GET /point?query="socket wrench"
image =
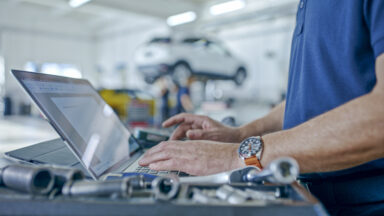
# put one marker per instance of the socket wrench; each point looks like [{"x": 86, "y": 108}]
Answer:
[
  {"x": 280, "y": 171},
  {"x": 28, "y": 179}
]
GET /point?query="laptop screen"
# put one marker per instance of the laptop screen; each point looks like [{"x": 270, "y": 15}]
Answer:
[{"x": 82, "y": 118}]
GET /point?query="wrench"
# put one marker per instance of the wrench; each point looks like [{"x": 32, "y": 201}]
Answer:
[{"x": 283, "y": 170}]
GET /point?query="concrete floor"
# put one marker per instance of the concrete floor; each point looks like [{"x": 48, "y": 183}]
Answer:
[{"x": 17, "y": 132}]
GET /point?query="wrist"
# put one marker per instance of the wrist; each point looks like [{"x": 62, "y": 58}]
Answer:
[
  {"x": 241, "y": 133},
  {"x": 273, "y": 149},
  {"x": 252, "y": 129},
  {"x": 237, "y": 161}
]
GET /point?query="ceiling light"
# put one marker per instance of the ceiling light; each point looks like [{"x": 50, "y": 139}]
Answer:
[
  {"x": 182, "y": 18},
  {"x": 77, "y": 3},
  {"x": 227, "y": 7}
]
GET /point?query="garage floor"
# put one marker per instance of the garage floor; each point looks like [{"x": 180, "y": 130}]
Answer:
[{"x": 17, "y": 132}]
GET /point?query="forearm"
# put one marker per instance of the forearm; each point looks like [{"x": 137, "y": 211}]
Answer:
[
  {"x": 347, "y": 136},
  {"x": 272, "y": 122}
]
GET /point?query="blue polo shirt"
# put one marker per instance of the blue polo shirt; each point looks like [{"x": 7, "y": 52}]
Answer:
[{"x": 333, "y": 54}]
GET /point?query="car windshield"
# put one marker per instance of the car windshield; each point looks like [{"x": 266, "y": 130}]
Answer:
[
  {"x": 219, "y": 48},
  {"x": 165, "y": 40},
  {"x": 195, "y": 41}
]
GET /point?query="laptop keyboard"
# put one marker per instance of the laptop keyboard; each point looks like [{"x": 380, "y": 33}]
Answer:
[{"x": 141, "y": 169}]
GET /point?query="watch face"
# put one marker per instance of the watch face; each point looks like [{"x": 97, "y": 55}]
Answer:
[{"x": 250, "y": 147}]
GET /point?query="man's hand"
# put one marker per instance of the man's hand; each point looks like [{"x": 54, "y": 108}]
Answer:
[
  {"x": 193, "y": 157},
  {"x": 197, "y": 127}
]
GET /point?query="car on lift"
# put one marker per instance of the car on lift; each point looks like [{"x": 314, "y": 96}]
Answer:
[{"x": 188, "y": 56}]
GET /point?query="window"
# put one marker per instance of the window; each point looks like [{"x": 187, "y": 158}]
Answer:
[
  {"x": 165, "y": 40},
  {"x": 31, "y": 66},
  {"x": 67, "y": 70},
  {"x": 196, "y": 41},
  {"x": 217, "y": 49}
]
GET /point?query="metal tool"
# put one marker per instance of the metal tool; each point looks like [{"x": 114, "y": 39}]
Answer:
[
  {"x": 220, "y": 178},
  {"x": 29, "y": 179},
  {"x": 224, "y": 192},
  {"x": 63, "y": 175},
  {"x": 110, "y": 188},
  {"x": 165, "y": 187},
  {"x": 232, "y": 195},
  {"x": 137, "y": 182},
  {"x": 238, "y": 197},
  {"x": 281, "y": 171},
  {"x": 202, "y": 196},
  {"x": 260, "y": 195}
]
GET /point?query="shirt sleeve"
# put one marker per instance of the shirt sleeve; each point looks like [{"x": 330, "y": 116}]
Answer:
[{"x": 374, "y": 17}]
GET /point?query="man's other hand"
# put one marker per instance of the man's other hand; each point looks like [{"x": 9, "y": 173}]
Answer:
[
  {"x": 193, "y": 157},
  {"x": 196, "y": 127}
]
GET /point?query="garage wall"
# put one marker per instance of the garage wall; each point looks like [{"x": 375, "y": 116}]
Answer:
[
  {"x": 20, "y": 48},
  {"x": 115, "y": 50},
  {"x": 265, "y": 47},
  {"x": 33, "y": 35}
]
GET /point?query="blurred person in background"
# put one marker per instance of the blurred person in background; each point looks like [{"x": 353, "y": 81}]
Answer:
[{"x": 183, "y": 97}]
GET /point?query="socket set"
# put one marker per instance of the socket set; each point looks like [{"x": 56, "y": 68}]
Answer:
[{"x": 43, "y": 190}]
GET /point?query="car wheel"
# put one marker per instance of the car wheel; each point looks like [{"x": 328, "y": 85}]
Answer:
[
  {"x": 240, "y": 77},
  {"x": 181, "y": 73}
]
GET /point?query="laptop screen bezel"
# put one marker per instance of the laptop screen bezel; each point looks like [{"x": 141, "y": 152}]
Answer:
[{"x": 21, "y": 75}]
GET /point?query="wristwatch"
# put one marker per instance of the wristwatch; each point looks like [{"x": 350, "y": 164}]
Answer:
[{"x": 250, "y": 151}]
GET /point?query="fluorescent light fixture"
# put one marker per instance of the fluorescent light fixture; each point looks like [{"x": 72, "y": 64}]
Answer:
[
  {"x": 227, "y": 7},
  {"x": 77, "y": 3},
  {"x": 182, "y": 18}
]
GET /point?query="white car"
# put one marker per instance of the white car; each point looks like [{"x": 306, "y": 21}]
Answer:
[{"x": 188, "y": 56}]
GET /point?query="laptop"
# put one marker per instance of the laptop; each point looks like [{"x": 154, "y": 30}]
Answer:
[{"x": 92, "y": 137}]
